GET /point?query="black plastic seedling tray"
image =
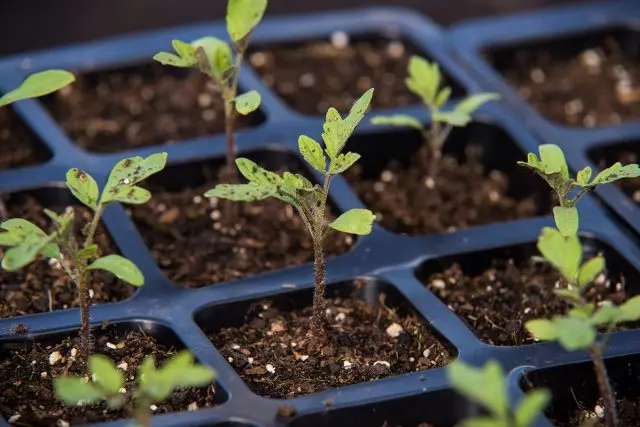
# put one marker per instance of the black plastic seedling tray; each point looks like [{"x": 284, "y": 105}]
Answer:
[{"x": 386, "y": 261}]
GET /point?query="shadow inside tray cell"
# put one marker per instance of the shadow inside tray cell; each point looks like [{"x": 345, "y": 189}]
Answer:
[
  {"x": 477, "y": 182},
  {"x": 313, "y": 75},
  {"x": 135, "y": 106},
  {"x": 443, "y": 408},
  {"x": 625, "y": 153},
  {"x": 29, "y": 364},
  {"x": 373, "y": 332},
  {"x": 575, "y": 391},
  {"x": 19, "y": 146},
  {"x": 586, "y": 79},
  {"x": 40, "y": 286},
  {"x": 495, "y": 292},
  {"x": 194, "y": 242}
]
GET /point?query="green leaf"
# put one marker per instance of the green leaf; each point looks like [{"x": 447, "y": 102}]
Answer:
[
  {"x": 630, "y": 310},
  {"x": 424, "y": 79},
  {"x": 485, "y": 386},
  {"x": 343, "y": 162},
  {"x": 256, "y": 174},
  {"x": 185, "y": 58},
  {"x": 83, "y": 187},
  {"x": 18, "y": 256},
  {"x": 312, "y": 153},
  {"x": 590, "y": 270},
  {"x": 74, "y": 390},
  {"x": 566, "y": 220},
  {"x": 582, "y": 311},
  {"x": 26, "y": 240},
  {"x": 241, "y": 192},
  {"x": 88, "y": 252},
  {"x": 484, "y": 422},
  {"x": 571, "y": 295},
  {"x": 248, "y": 102},
  {"x": 564, "y": 253},
  {"x": 105, "y": 373},
  {"x": 126, "y": 174},
  {"x": 443, "y": 97},
  {"x": 401, "y": 120},
  {"x": 471, "y": 103},
  {"x": 584, "y": 175},
  {"x": 166, "y": 58},
  {"x": 354, "y": 221},
  {"x": 356, "y": 114},
  {"x": 120, "y": 267},
  {"x": 531, "y": 407},
  {"x": 606, "y": 314},
  {"x": 332, "y": 132},
  {"x": 184, "y": 50},
  {"x": 454, "y": 118},
  {"x": 218, "y": 57},
  {"x": 552, "y": 160},
  {"x": 616, "y": 172},
  {"x": 179, "y": 371},
  {"x": 532, "y": 163},
  {"x": 38, "y": 84},
  {"x": 542, "y": 329},
  {"x": 574, "y": 334},
  {"x": 243, "y": 16}
]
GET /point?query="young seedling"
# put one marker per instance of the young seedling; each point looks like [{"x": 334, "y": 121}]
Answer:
[
  {"x": 36, "y": 85},
  {"x": 78, "y": 259},
  {"x": 552, "y": 167},
  {"x": 488, "y": 387},
  {"x": 214, "y": 58},
  {"x": 425, "y": 80},
  {"x": 577, "y": 330},
  {"x": 154, "y": 384},
  {"x": 310, "y": 200}
]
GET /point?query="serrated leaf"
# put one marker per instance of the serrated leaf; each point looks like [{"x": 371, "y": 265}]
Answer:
[
  {"x": 616, "y": 172},
  {"x": 424, "y": 79},
  {"x": 564, "y": 253},
  {"x": 166, "y": 58},
  {"x": 38, "y": 84},
  {"x": 552, "y": 160},
  {"x": 532, "y": 163},
  {"x": 398, "y": 120},
  {"x": 566, "y": 220},
  {"x": 248, "y": 102},
  {"x": 584, "y": 175},
  {"x": 18, "y": 256},
  {"x": 184, "y": 50},
  {"x": 354, "y": 221},
  {"x": 343, "y": 162},
  {"x": 312, "y": 153},
  {"x": 356, "y": 114},
  {"x": 27, "y": 240},
  {"x": 257, "y": 174},
  {"x": 83, "y": 187},
  {"x": 74, "y": 390},
  {"x": 453, "y": 118},
  {"x": 485, "y": 385},
  {"x": 531, "y": 407},
  {"x": 181, "y": 371},
  {"x": 241, "y": 192},
  {"x": 590, "y": 270},
  {"x": 630, "y": 310},
  {"x": 470, "y": 104},
  {"x": 542, "y": 329},
  {"x": 443, "y": 97},
  {"x": 218, "y": 55},
  {"x": 120, "y": 267},
  {"x": 105, "y": 373},
  {"x": 127, "y": 173},
  {"x": 243, "y": 16}
]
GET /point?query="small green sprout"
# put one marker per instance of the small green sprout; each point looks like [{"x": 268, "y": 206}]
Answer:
[
  {"x": 26, "y": 240},
  {"x": 37, "y": 84},
  {"x": 552, "y": 167},
  {"x": 310, "y": 200},
  {"x": 488, "y": 387},
  {"x": 425, "y": 81},
  {"x": 154, "y": 385},
  {"x": 214, "y": 58}
]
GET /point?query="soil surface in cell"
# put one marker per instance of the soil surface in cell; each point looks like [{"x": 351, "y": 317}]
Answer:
[
  {"x": 497, "y": 302},
  {"x": 116, "y": 110},
  {"x": 195, "y": 245},
  {"x": 26, "y": 380},
  {"x": 312, "y": 77},
  {"x": 407, "y": 201},
  {"x": 18, "y": 146},
  {"x": 277, "y": 357},
  {"x": 41, "y": 286},
  {"x": 598, "y": 86}
]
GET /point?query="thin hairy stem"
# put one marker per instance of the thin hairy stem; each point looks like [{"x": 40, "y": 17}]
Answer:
[
  {"x": 437, "y": 135},
  {"x": 88, "y": 241},
  {"x": 4, "y": 213},
  {"x": 142, "y": 411},
  {"x": 85, "y": 328},
  {"x": 319, "y": 302},
  {"x": 604, "y": 386}
]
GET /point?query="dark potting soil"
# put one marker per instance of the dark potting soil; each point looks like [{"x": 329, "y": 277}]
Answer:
[
  {"x": 628, "y": 413},
  {"x": 26, "y": 380},
  {"x": 277, "y": 358},
  {"x": 18, "y": 146},
  {"x": 41, "y": 287},
  {"x": 115, "y": 110},
  {"x": 313, "y": 76},
  {"x": 498, "y": 302},
  {"x": 194, "y": 246},
  {"x": 598, "y": 86},
  {"x": 461, "y": 195}
]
